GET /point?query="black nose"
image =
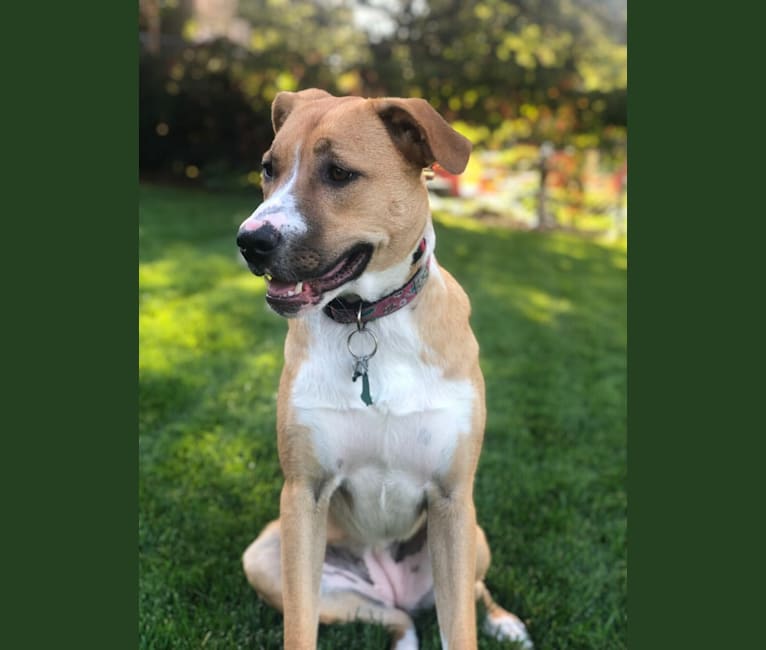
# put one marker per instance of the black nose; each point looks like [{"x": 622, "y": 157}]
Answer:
[{"x": 258, "y": 245}]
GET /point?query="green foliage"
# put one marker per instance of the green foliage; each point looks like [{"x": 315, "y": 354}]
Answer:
[
  {"x": 549, "y": 311},
  {"x": 526, "y": 70},
  {"x": 480, "y": 60}
]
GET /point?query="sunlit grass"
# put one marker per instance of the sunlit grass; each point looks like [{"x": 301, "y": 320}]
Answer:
[
  {"x": 549, "y": 312},
  {"x": 541, "y": 307}
]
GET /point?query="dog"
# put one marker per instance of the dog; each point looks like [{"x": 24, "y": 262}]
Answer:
[{"x": 380, "y": 411}]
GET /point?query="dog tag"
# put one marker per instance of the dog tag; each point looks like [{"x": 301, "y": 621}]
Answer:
[
  {"x": 360, "y": 370},
  {"x": 362, "y": 358}
]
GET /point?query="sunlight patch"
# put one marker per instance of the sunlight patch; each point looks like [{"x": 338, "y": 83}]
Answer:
[
  {"x": 205, "y": 449},
  {"x": 542, "y": 307},
  {"x": 156, "y": 275},
  {"x": 171, "y": 331},
  {"x": 465, "y": 222}
]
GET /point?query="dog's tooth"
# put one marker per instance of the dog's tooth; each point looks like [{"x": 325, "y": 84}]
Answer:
[{"x": 299, "y": 287}]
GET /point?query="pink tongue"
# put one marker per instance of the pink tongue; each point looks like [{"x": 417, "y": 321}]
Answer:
[
  {"x": 284, "y": 288},
  {"x": 277, "y": 288}
]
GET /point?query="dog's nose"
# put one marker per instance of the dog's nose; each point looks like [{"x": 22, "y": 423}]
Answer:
[{"x": 259, "y": 244}]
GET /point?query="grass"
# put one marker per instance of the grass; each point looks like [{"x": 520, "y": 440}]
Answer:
[{"x": 550, "y": 313}]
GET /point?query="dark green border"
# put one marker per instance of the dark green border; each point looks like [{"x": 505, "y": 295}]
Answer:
[
  {"x": 69, "y": 270},
  {"x": 695, "y": 279}
]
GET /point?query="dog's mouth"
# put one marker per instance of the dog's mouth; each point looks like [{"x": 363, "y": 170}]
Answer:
[{"x": 288, "y": 298}]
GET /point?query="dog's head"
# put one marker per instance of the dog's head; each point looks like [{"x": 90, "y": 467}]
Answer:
[{"x": 345, "y": 204}]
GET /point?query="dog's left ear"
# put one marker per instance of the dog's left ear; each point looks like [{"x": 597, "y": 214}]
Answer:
[{"x": 422, "y": 135}]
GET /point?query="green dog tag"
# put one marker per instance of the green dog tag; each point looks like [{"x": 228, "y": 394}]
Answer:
[{"x": 366, "y": 390}]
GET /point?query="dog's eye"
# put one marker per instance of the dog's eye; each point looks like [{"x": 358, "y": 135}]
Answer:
[
  {"x": 339, "y": 175},
  {"x": 268, "y": 169}
]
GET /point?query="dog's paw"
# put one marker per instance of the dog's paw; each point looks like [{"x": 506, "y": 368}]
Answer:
[
  {"x": 409, "y": 641},
  {"x": 507, "y": 627}
]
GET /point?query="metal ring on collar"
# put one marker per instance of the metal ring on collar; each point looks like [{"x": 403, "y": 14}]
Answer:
[{"x": 374, "y": 342}]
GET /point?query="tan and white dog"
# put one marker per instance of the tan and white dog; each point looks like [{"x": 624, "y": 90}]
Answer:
[{"x": 381, "y": 413}]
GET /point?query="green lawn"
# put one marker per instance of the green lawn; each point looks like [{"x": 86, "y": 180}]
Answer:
[{"x": 549, "y": 311}]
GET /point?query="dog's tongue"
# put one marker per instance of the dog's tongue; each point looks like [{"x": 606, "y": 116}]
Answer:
[{"x": 302, "y": 291}]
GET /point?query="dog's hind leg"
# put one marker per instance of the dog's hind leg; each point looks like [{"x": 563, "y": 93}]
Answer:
[
  {"x": 262, "y": 564},
  {"x": 348, "y": 605},
  {"x": 498, "y": 623},
  {"x": 347, "y": 591}
]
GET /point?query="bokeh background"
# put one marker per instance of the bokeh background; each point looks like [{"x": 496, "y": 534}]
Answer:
[
  {"x": 539, "y": 86},
  {"x": 534, "y": 230}
]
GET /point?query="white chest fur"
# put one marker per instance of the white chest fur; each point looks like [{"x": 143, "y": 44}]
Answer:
[{"x": 387, "y": 453}]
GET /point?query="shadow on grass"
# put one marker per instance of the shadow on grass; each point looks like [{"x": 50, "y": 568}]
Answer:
[{"x": 549, "y": 312}]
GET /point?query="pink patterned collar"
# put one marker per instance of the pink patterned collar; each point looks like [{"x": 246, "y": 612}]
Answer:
[{"x": 345, "y": 311}]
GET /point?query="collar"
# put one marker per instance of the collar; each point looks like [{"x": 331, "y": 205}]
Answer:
[{"x": 345, "y": 311}]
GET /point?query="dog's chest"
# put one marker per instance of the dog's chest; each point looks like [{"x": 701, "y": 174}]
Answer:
[{"x": 388, "y": 452}]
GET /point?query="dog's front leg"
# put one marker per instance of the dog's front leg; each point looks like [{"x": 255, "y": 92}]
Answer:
[
  {"x": 303, "y": 515},
  {"x": 452, "y": 545}
]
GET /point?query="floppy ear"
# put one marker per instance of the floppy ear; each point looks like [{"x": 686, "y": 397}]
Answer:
[
  {"x": 284, "y": 103},
  {"x": 422, "y": 135}
]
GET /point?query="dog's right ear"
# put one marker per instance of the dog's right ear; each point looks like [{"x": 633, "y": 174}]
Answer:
[{"x": 285, "y": 102}]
